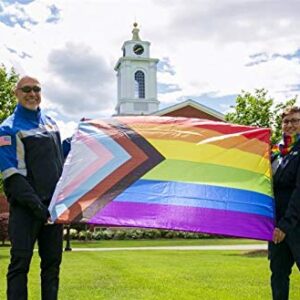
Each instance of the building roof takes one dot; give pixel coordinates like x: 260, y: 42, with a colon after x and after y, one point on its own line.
x: 193, y: 104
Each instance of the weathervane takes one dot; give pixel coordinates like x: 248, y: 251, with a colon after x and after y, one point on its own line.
x: 135, y: 32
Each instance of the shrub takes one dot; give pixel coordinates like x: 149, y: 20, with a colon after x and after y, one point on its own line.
x: 3, y: 227
x: 98, y: 235
x: 87, y: 232
x: 152, y: 234
x: 108, y: 234
x: 85, y: 235
x: 120, y: 235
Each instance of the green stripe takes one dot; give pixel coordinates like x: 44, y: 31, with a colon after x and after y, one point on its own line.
x: 192, y: 172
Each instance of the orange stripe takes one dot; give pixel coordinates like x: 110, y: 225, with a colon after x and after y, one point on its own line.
x: 196, y: 135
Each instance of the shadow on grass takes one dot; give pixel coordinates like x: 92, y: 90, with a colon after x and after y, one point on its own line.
x: 4, y: 256
x: 252, y: 253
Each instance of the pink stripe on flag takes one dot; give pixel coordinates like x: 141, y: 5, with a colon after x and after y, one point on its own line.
x: 103, y: 156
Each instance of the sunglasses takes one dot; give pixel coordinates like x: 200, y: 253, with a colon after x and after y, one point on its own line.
x: 28, y: 89
x: 292, y: 121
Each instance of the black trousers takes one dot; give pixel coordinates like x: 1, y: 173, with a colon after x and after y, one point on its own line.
x: 24, y: 231
x: 282, y: 258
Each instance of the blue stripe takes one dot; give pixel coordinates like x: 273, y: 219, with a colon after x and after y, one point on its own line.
x: 198, y: 195
x: 87, y: 128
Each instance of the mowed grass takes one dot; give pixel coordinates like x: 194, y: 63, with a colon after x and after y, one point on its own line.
x: 162, y: 242
x: 134, y: 275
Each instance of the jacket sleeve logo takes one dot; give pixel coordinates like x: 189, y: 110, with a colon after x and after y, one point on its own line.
x: 5, y: 140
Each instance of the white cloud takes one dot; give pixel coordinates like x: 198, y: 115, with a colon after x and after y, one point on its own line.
x: 67, y: 129
x: 81, y: 81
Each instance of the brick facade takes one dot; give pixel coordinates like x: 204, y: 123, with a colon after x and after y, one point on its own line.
x: 191, y: 112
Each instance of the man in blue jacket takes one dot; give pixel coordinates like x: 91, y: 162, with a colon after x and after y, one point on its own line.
x: 31, y: 162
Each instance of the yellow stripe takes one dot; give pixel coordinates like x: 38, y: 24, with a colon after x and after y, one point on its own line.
x: 212, y: 154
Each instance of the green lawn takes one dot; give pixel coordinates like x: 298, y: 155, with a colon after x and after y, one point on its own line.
x: 133, y: 275
x: 162, y: 242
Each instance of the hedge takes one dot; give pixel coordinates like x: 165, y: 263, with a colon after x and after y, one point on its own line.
x: 99, y: 233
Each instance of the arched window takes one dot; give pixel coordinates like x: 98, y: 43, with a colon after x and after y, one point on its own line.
x: 139, y: 87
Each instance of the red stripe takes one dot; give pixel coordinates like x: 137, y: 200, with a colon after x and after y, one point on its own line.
x: 249, y: 132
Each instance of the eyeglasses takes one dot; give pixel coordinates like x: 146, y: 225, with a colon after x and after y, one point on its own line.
x: 27, y: 89
x: 292, y: 121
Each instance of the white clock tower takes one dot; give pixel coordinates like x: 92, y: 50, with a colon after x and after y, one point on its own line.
x: 136, y: 72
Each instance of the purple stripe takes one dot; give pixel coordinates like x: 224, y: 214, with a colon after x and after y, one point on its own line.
x: 205, y: 220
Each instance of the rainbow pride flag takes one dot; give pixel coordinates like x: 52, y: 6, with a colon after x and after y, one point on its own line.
x: 169, y: 173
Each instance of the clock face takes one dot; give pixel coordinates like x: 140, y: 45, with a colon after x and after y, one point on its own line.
x: 138, y: 49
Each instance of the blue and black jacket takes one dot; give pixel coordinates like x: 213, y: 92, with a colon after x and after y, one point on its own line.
x: 31, y: 159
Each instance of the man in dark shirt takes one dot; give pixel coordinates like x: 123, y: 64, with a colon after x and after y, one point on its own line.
x: 31, y: 162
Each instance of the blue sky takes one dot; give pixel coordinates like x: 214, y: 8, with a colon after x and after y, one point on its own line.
x: 208, y: 51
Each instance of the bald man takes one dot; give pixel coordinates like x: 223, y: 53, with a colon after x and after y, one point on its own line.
x: 31, y: 162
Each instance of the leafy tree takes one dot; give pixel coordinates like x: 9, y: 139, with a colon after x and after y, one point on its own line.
x: 8, y: 100
x: 258, y: 109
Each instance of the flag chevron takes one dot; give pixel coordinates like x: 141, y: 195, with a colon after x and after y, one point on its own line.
x: 116, y: 174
